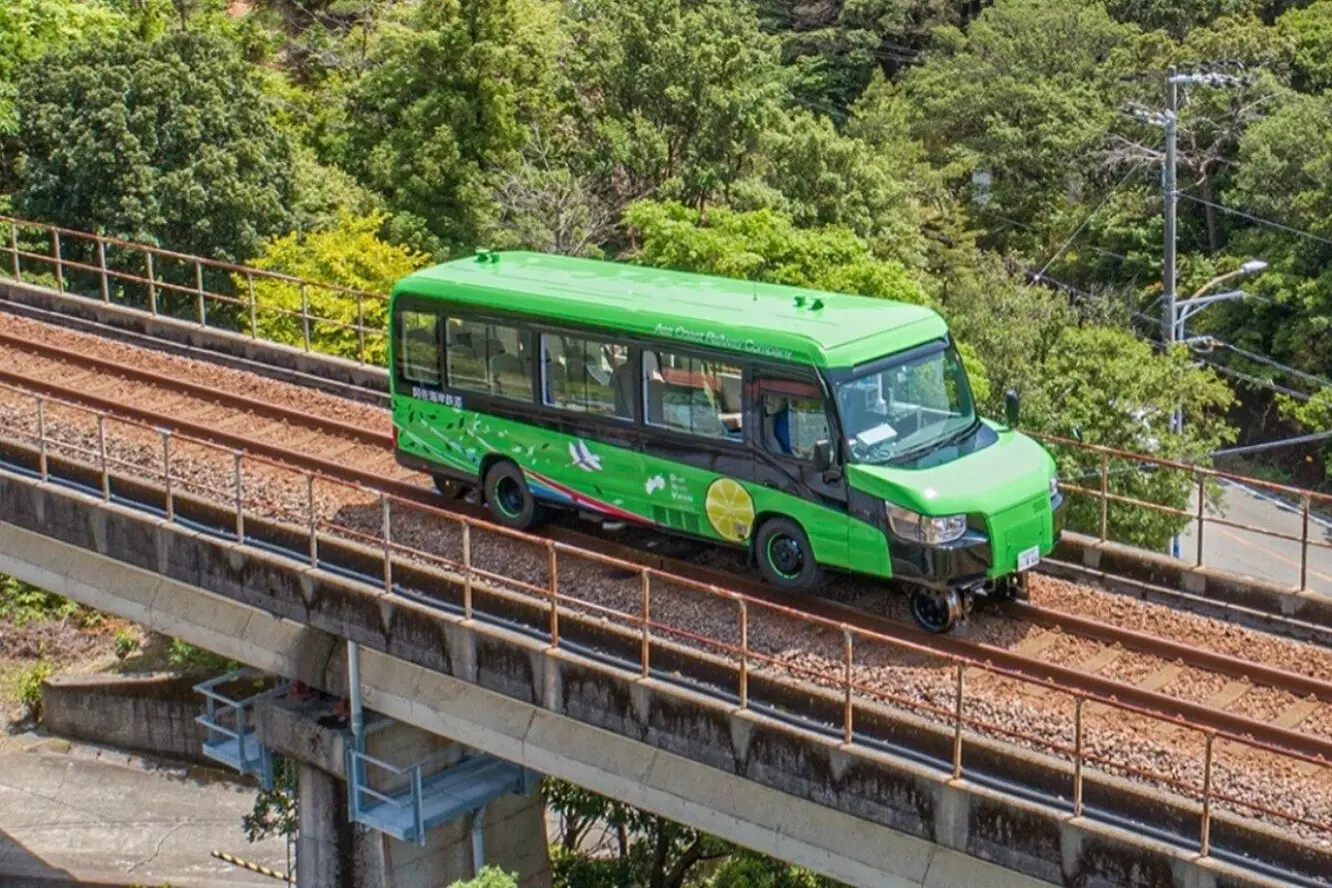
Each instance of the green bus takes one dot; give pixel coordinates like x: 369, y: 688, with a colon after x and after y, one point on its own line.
x: 816, y: 430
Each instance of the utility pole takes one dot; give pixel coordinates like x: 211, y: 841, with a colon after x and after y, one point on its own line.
x: 1170, y: 320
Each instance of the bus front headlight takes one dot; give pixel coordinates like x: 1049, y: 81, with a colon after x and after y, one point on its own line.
x: 919, y: 528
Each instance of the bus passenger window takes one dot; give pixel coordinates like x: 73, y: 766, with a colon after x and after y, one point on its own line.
x: 694, y: 395
x: 420, y: 347
x: 488, y: 358
x: 585, y: 375
x: 792, y: 425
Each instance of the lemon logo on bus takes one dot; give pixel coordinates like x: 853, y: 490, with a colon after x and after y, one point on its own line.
x: 729, y: 509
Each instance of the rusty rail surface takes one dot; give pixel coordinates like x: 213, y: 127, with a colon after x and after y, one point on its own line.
x: 860, y: 633
x: 1130, y: 640
x: 1308, y: 500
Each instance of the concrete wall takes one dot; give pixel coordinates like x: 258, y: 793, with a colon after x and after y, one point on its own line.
x: 1229, y: 594
x: 865, y: 817
x: 150, y: 714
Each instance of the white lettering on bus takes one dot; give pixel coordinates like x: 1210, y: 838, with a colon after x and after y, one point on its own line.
x: 721, y: 340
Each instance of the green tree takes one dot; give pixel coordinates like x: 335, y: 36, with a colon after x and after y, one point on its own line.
x: 1176, y: 16
x: 1310, y: 30
x: 1285, y: 175
x: 1314, y: 415
x: 1024, y: 96
x: 765, y: 245
x: 171, y: 143
x: 489, y: 877
x: 446, y: 100
x: 31, y: 28
x: 671, y: 96
x: 1112, y: 389
x: 350, y: 255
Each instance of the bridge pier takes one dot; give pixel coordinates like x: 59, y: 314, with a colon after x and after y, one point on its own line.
x: 336, y: 851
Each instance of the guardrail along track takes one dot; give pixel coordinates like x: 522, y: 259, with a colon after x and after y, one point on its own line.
x: 105, y: 373
x: 975, y: 685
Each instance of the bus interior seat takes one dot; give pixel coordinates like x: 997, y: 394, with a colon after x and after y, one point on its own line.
x: 622, y: 383
x: 506, y: 365
x: 777, y: 425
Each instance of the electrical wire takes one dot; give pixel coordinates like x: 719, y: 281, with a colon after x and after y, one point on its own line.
x: 1252, y: 218
x: 1132, y: 169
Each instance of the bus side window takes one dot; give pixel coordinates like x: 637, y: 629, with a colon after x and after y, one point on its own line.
x: 581, y: 374
x: 488, y: 358
x: 792, y: 424
x: 690, y: 394
x: 420, y: 358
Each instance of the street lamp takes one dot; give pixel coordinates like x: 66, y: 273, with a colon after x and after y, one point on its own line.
x: 1183, y: 309
x: 1187, y: 308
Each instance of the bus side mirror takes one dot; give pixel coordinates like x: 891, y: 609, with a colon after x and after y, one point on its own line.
x: 823, y: 456
x: 1012, y: 407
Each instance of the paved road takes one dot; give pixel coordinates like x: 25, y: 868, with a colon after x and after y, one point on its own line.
x: 1256, y: 554
x: 108, y: 817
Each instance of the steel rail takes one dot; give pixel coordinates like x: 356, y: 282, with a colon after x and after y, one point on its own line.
x: 1129, y: 639
x: 992, y: 659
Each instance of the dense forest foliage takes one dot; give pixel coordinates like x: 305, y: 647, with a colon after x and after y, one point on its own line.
x: 974, y: 156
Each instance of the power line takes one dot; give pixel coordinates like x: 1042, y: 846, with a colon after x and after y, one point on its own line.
x: 1283, y: 442
x: 1252, y: 218
x: 1133, y: 169
x: 1264, y: 359
x: 1254, y: 380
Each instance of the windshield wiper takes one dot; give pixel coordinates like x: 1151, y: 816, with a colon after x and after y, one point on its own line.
x: 922, y: 449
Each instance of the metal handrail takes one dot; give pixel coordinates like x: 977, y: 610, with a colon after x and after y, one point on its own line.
x: 562, y: 605
x: 106, y: 273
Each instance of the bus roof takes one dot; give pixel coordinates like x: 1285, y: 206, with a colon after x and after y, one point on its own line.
x: 768, y: 320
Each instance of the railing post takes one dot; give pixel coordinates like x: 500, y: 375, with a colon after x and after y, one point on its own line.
x: 1205, y: 840
x: 14, y: 251
x: 166, y: 474
x: 744, y: 654
x: 59, y: 259
x: 305, y: 316
x: 101, y: 265
x: 957, y: 725
x: 554, y: 596
x: 360, y: 327
x: 1077, y: 756
x: 467, y: 569
x: 42, y: 463
x: 848, y: 654
x: 1202, y: 520
x: 240, y: 498
x: 1304, y: 543
x: 388, y: 542
x: 254, y: 306
x: 198, y: 288
x: 314, y: 519
x: 645, y: 648
x: 152, y: 282
x: 1105, y: 495
x: 101, y: 450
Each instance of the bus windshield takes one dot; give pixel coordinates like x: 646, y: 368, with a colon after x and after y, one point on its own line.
x: 908, y: 408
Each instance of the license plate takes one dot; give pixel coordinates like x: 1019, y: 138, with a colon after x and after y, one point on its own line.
x: 1029, y: 558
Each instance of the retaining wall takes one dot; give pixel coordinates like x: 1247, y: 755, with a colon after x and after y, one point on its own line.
x: 151, y: 714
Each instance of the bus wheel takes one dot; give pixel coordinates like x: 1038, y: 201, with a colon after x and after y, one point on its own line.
x: 509, y: 499
x: 785, y: 557
x: 449, y: 488
x: 935, y: 610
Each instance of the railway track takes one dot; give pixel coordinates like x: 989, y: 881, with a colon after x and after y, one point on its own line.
x: 192, y: 409
x: 1284, y: 702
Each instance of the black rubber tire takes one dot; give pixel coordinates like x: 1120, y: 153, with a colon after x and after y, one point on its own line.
x: 785, y: 557
x: 928, y: 610
x: 511, y: 502
x: 451, y: 489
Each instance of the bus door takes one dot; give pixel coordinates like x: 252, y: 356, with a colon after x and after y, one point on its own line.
x: 785, y: 417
